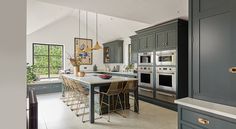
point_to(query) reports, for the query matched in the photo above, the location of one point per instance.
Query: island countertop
(92, 78)
(119, 73)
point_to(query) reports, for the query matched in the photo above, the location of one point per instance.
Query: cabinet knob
(232, 70)
(203, 121)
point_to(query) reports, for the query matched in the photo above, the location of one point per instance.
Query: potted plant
(31, 76)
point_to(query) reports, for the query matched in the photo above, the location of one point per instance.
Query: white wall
(13, 64)
(63, 32)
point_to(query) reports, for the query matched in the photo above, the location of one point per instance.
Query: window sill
(45, 81)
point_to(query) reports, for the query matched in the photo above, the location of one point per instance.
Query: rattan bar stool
(84, 100)
(130, 87)
(115, 89)
(74, 93)
(67, 89)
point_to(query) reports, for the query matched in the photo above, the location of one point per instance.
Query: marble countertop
(121, 73)
(219, 109)
(92, 78)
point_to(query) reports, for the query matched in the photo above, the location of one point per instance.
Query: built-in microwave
(166, 78)
(145, 58)
(167, 57)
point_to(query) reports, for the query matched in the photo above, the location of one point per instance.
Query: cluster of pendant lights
(96, 46)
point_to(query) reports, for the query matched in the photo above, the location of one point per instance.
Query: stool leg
(108, 108)
(121, 104)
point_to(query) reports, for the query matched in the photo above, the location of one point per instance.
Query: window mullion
(48, 61)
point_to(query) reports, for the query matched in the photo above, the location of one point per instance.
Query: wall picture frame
(79, 45)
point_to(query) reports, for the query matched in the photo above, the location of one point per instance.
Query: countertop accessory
(105, 76)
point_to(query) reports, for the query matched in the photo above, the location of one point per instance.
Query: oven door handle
(165, 73)
(140, 72)
(146, 90)
(166, 94)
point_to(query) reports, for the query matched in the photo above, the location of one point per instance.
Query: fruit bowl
(105, 76)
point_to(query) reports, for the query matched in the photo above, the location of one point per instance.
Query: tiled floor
(54, 114)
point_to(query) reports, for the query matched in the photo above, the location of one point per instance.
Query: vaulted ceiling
(147, 11)
(131, 14)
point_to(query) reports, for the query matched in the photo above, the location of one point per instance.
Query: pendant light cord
(79, 23)
(96, 27)
(86, 25)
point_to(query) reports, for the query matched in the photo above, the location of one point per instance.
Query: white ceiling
(147, 11)
(40, 14)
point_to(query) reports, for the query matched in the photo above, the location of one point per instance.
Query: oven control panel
(166, 69)
(145, 68)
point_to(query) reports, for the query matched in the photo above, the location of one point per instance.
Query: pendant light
(87, 49)
(78, 48)
(97, 46)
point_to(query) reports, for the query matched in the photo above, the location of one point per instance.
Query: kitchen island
(92, 81)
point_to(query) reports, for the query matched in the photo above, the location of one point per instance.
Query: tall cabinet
(213, 50)
(170, 35)
(212, 66)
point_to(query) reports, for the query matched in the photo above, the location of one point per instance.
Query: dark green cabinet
(166, 39)
(213, 36)
(113, 52)
(211, 62)
(186, 126)
(147, 43)
(190, 118)
(134, 49)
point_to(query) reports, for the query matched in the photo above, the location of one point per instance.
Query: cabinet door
(183, 126)
(118, 49)
(171, 39)
(143, 43)
(161, 38)
(213, 50)
(134, 50)
(151, 42)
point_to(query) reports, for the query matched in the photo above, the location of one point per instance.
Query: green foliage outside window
(48, 60)
(31, 76)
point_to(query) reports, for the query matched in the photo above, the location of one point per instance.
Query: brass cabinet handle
(232, 70)
(203, 121)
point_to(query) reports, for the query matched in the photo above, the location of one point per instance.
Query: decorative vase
(77, 72)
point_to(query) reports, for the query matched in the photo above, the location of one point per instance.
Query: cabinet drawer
(205, 121)
(146, 92)
(165, 96)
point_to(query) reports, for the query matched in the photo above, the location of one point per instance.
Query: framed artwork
(79, 45)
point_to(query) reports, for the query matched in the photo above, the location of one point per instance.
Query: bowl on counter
(105, 76)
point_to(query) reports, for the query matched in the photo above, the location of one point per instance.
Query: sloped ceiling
(117, 18)
(41, 14)
(147, 11)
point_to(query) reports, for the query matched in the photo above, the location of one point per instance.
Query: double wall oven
(166, 78)
(166, 75)
(145, 75)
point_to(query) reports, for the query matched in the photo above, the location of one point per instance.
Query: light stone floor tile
(54, 114)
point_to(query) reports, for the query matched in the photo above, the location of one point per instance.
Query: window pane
(40, 49)
(55, 50)
(56, 61)
(54, 72)
(42, 72)
(41, 61)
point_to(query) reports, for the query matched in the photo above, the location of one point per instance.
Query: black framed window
(47, 59)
